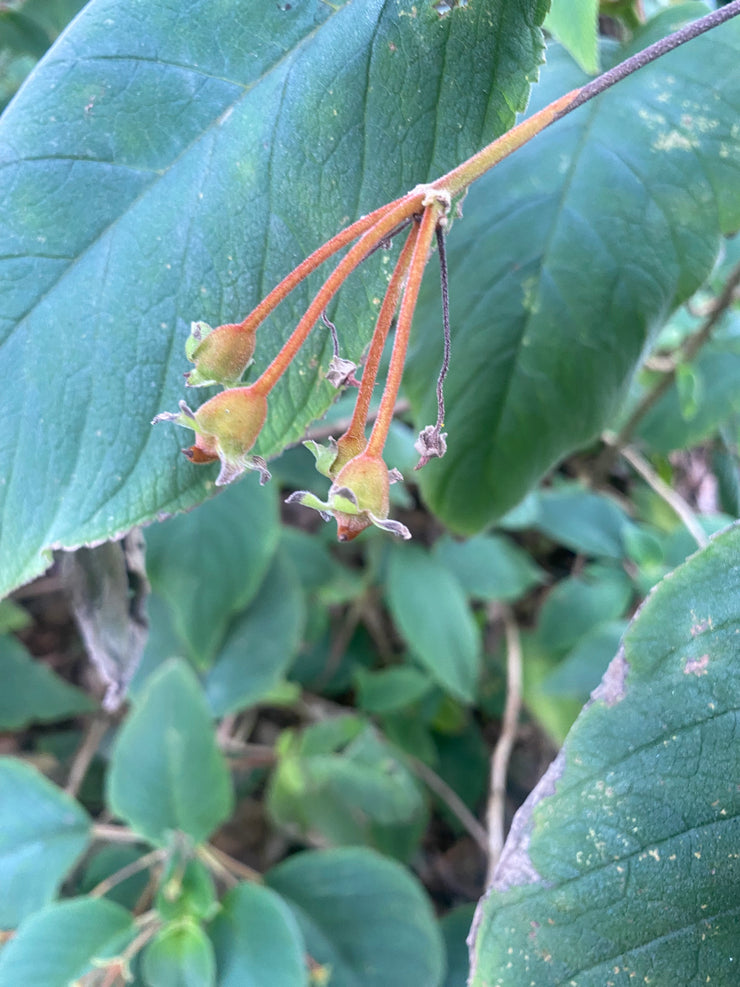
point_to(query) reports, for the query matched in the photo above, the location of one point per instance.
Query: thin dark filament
(446, 326)
(333, 330)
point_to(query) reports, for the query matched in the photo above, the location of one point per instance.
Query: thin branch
(651, 53)
(128, 871)
(115, 834)
(87, 750)
(502, 751)
(220, 861)
(452, 800)
(688, 352)
(674, 500)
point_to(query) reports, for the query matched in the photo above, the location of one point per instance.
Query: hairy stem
(457, 180)
(390, 219)
(418, 262)
(355, 434)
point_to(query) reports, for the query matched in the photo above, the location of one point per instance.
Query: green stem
(419, 258)
(353, 439)
(390, 219)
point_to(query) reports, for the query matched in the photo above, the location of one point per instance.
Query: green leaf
(353, 795)
(430, 610)
(180, 955)
(42, 833)
(489, 567)
(167, 772)
(13, 617)
(455, 927)
(31, 691)
(585, 522)
(257, 940)
(210, 564)
(390, 688)
(664, 428)
(59, 944)
(622, 865)
(578, 604)
(160, 169)
(260, 644)
(570, 256)
(575, 23)
(364, 917)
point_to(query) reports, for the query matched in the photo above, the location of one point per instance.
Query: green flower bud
(220, 355)
(226, 427)
(358, 497)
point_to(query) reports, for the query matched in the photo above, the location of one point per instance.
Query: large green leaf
(363, 916)
(42, 832)
(167, 772)
(622, 866)
(571, 254)
(57, 945)
(163, 165)
(257, 940)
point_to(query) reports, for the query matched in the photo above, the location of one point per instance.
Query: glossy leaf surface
(622, 865)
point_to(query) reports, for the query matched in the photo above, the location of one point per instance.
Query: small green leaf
(209, 564)
(257, 940)
(575, 24)
(13, 617)
(578, 604)
(167, 772)
(180, 955)
(585, 522)
(186, 890)
(59, 944)
(31, 692)
(489, 567)
(455, 927)
(348, 796)
(363, 916)
(391, 688)
(259, 645)
(42, 832)
(622, 865)
(430, 610)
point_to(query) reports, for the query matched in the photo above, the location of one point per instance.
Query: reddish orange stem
(390, 218)
(418, 262)
(353, 440)
(258, 315)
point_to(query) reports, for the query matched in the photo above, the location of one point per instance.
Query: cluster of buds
(227, 426)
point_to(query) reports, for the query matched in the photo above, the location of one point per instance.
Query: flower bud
(358, 497)
(220, 355)
(226, 427)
